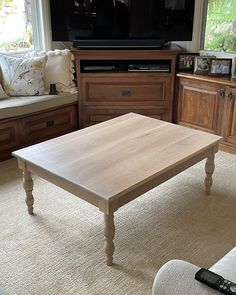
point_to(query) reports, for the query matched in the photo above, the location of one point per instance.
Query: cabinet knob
(125, 93)
(230, 96)
(222, 93)
(50, 123)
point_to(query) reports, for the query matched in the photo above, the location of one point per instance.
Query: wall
(61, 45)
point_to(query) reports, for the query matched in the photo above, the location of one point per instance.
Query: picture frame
(202, 64)
(185, 61)
(220, 67)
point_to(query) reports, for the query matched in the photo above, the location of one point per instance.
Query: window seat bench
(32, 119)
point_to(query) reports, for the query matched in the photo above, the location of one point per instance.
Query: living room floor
(59, 250)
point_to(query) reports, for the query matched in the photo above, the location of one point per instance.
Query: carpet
(59, 250)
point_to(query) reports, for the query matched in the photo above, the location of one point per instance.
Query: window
(15, 25)
(220, 31)
(24, 25)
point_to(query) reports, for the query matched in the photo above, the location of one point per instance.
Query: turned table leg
(209, 168)
(28, 187)
(109, 233)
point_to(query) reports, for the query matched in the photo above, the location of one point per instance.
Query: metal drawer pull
(230, 96)
(50, 123)
(222, 93)
(125, 93)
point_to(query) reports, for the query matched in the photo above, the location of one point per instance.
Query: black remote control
(215, 281)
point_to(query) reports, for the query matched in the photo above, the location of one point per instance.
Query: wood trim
(221, 81)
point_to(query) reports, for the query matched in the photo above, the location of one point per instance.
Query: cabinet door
(229, 118)
(199, 105)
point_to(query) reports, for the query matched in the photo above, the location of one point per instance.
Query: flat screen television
(121, 23)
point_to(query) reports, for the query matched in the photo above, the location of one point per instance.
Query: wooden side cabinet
(115, 82)
(208, 104)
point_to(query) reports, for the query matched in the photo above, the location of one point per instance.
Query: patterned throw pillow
(2, 93)
(23, 76)
(59, 69)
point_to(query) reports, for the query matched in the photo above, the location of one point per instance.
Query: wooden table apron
(109, 206)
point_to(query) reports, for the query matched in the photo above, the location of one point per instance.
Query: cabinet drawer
(49, 124)
(125, 91)
(8, 135)
(92, 116)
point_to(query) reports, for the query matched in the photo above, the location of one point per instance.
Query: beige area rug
(59, 251)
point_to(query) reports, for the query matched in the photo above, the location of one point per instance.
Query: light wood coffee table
(114, 162)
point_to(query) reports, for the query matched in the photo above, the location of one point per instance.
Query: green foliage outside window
(19, 37)
(220, 32)
(6, 2)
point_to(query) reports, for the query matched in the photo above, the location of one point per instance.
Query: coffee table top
(112, 158)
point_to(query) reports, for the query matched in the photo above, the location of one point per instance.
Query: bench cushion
(18, 106)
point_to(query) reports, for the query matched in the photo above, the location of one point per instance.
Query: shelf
(116, 66)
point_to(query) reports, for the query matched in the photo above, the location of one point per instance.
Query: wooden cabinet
(208, 104)
(107, 88)
(25, 130)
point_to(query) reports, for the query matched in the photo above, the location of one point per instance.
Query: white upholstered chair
(176, 277)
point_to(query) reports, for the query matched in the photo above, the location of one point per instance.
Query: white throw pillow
(2, 93)
(59, 69)
(23, 76)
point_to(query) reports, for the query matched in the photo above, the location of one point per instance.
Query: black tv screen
(122, 21)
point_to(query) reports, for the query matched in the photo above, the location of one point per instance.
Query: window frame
(41, 24)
